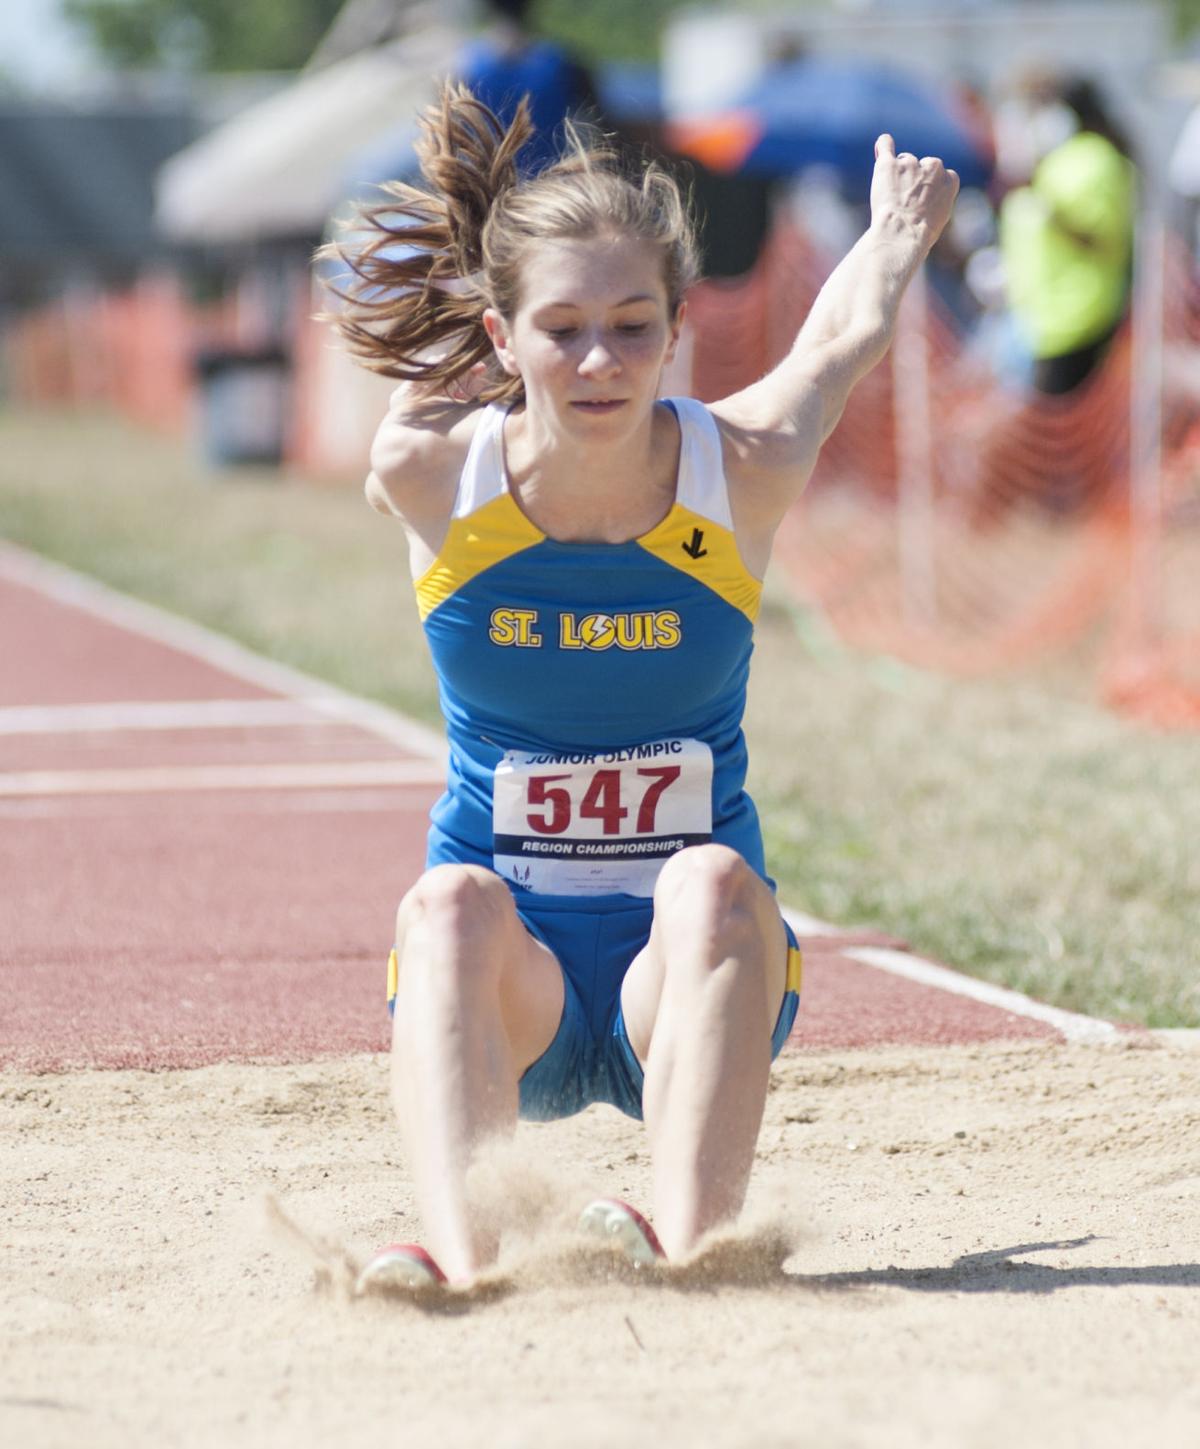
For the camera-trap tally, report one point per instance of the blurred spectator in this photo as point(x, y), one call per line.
point(508, 61)
point(1065, 251)
point(1066, 240)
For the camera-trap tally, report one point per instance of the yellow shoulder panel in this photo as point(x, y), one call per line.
point(708, 553)
point(486, 537)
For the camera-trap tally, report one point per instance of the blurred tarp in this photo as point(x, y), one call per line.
point(77, 186)
point(820, 111)
point(278, 169)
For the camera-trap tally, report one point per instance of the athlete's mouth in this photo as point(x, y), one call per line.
point(600, 405)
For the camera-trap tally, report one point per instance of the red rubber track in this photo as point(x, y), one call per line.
point(172, 926)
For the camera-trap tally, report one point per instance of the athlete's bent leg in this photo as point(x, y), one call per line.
point(700, 1002)
point(478, 1000)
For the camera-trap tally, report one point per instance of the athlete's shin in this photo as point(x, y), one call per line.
point(709, 1055)
point(454, 1080)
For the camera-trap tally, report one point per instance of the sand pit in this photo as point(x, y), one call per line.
point(988, 1245)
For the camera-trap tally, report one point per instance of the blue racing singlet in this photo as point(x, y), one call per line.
point(593, 693)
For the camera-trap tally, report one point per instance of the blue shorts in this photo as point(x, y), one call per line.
point(590, 1058)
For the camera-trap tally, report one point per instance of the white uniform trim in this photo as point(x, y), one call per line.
point(483, 477)
point(702, 485)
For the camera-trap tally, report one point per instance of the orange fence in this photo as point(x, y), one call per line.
point(129, 350)
point(136, 351)
point(1153, 667)
point(971, 530)
point(133, 350)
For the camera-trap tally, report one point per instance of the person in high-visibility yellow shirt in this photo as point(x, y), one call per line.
point(1066, 239)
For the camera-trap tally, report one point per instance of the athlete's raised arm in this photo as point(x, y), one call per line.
point(774, 429)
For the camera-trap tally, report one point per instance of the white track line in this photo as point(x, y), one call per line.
point(68, 587)
point(1183, 1037)
point(153, 779)
point(188, 714)
point(1071, 1026)
point(810, 925)
point(915, 968)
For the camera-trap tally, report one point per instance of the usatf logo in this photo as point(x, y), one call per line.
point(647, 629)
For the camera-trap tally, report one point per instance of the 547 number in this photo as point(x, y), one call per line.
point(601, 801)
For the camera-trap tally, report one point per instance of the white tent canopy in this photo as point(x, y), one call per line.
point(279, 168)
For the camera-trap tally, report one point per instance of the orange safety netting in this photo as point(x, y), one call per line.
point(1153, 666)
point(966, 528)
point(133, 350)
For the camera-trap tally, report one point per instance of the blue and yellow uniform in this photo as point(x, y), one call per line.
point(593, 697)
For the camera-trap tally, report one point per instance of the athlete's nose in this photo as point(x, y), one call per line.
point(599, 361)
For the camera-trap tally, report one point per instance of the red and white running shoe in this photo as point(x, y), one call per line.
point(625, 1229)
point(400, 1268)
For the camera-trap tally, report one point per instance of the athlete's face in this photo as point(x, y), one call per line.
point(591, 333)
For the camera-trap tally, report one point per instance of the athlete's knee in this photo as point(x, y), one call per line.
point(453, 930)
point(456, 903)
point(707, 917)
point(703, 885)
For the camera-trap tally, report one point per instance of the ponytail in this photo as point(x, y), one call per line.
point(413, 304)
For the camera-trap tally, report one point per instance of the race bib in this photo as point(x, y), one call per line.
point(598, 824)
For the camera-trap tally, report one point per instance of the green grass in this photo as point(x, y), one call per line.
point(1010, 828)
point(305, 573)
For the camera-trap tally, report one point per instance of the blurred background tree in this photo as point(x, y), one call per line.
point(608, 29)
point(214, 35)
point(629, 29)
point(1187, 17)
point(235, 35)
point(238, 35)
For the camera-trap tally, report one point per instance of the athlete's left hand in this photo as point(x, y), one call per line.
point(467, 388)
point(914, 194)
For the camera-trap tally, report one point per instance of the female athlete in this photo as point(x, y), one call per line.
point(595, 922)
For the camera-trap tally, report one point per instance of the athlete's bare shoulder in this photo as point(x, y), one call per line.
point(418, 454)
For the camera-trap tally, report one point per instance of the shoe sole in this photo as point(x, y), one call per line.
point(402, 1268)
point(625, 1229)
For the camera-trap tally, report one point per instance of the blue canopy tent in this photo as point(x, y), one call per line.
point(828, 111)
